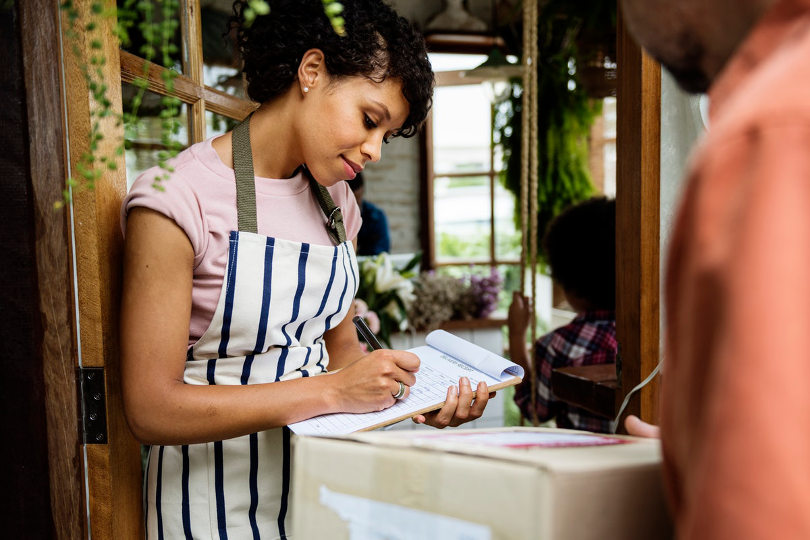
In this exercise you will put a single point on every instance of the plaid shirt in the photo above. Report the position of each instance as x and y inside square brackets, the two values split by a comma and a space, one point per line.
[589, 339]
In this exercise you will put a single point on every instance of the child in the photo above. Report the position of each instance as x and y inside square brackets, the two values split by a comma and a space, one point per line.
[580, 245]
[239, 277]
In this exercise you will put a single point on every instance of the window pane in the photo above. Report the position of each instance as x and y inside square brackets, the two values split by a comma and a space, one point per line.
[144, 140]
[220, 58]
[216, 124]
[507, 236]
[153, 11]
[461, 129]
[461, 218]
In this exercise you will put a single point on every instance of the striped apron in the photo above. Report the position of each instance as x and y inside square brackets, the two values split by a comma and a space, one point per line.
[278, 298]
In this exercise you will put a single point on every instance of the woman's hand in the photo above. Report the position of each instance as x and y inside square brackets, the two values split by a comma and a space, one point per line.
[460, 407]
[370, 383]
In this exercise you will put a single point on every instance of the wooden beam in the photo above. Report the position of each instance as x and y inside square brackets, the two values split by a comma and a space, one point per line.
[193, 66]
[134, 67]
[637, 220]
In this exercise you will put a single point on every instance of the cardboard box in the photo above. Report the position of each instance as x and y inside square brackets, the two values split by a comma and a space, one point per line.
[460, 484]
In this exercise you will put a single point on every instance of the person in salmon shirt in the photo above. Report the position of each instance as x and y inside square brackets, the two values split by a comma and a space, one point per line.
[735, 410]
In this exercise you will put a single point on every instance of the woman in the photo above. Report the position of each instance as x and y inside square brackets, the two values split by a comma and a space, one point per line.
[239, 279]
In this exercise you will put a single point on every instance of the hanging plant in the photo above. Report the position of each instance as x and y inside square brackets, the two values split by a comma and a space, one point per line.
[565, 113]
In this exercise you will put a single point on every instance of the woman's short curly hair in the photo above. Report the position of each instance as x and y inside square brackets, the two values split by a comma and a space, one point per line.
[378, 44]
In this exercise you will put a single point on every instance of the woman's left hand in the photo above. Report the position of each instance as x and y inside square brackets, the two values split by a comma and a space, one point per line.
[460, 407]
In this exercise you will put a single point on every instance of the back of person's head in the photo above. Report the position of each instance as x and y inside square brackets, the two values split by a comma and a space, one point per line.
[378, 44]
[580, 246]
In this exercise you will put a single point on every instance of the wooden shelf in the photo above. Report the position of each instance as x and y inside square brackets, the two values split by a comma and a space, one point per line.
[593, 388]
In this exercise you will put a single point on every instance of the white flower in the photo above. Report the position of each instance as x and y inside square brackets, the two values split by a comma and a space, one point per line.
[386, 277]
[405, 292]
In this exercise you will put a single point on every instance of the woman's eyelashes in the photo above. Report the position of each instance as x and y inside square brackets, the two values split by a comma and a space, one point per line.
[371, 124]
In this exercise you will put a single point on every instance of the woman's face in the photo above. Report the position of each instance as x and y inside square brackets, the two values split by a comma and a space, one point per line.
[344, 123]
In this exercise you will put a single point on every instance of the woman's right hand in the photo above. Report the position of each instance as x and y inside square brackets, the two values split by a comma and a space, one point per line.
[370, 383]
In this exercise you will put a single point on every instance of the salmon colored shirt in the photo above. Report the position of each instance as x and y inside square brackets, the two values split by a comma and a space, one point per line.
[736, 384]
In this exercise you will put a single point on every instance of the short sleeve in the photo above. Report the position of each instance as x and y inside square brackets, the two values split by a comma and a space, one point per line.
[173, 197]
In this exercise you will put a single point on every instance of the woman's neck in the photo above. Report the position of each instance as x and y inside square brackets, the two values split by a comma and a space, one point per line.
[273, 138]
[272, 141]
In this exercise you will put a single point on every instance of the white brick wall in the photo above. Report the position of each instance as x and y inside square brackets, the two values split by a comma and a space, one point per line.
[393, 185]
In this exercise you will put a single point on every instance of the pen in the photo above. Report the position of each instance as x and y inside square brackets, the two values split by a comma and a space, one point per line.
[366, 332]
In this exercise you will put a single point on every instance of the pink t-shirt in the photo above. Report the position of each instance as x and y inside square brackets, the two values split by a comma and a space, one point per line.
[200, 196]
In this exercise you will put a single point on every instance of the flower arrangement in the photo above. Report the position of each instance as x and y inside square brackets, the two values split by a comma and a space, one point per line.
[394, 300]
[439, 298]
[385, 294]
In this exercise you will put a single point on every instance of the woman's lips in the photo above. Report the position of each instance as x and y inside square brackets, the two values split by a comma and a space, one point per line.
[351, 168]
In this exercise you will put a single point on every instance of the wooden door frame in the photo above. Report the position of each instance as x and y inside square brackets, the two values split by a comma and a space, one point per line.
[43, 497]
[114, 478]
[638, 144]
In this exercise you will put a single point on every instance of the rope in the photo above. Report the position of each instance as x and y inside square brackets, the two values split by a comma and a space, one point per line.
[528, 181]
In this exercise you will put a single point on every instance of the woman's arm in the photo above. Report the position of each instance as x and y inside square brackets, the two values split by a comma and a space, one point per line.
[342, 343]
[155, 314]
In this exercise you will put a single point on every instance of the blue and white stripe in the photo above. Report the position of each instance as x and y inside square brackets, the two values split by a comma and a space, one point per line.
[277, 301]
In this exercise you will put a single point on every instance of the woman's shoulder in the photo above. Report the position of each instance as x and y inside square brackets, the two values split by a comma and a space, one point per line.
[184, 191]
[194, 168]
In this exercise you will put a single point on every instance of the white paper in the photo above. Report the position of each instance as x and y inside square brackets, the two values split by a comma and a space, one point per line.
[474, 355]
[437, 372]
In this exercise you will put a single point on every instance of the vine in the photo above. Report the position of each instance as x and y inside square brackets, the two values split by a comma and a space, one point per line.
[157, 43]
[565, 116]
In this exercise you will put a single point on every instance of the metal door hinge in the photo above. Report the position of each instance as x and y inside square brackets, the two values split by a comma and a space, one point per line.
[93, 404]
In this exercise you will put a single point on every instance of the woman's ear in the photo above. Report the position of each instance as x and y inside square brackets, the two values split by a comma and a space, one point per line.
[311, 70]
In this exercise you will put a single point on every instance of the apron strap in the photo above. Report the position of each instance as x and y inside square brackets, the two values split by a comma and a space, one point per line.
[245, 181]
[246, 188]
[334, 216]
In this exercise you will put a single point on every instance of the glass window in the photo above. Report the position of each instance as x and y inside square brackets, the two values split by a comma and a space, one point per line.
[220, 58]
[462, 129]
[143, 140]
[473, 214]
[216, 124]
[462, 218]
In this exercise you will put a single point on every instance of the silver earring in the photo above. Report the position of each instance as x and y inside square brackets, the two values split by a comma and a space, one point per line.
[306, 89]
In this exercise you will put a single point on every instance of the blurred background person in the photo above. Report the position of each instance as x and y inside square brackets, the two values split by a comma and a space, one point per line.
[373, 237]
[735, 410]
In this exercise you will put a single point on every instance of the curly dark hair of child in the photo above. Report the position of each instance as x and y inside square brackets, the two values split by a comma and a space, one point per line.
[580, 244]
[378, 44]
